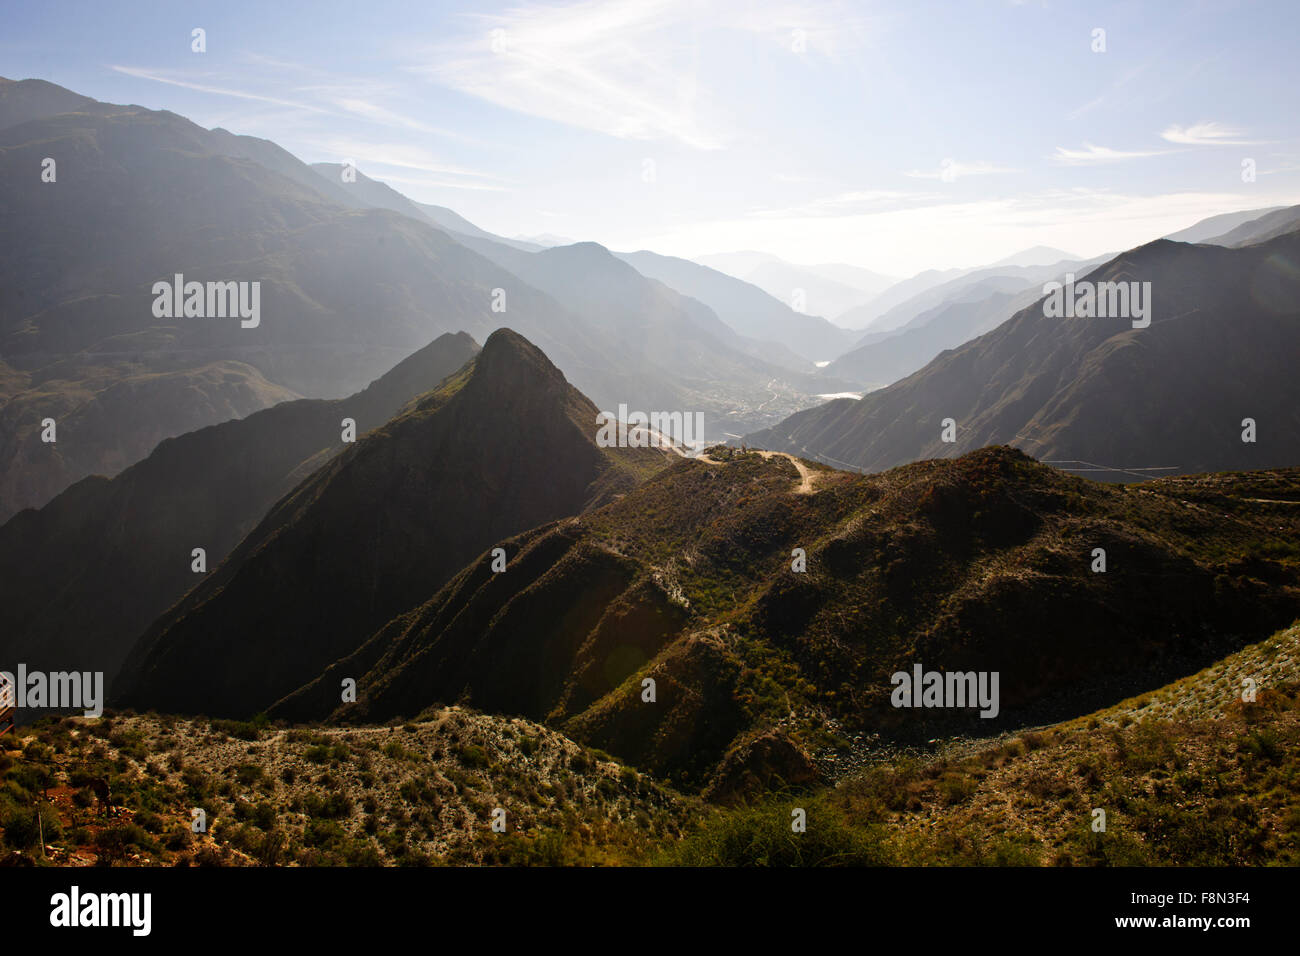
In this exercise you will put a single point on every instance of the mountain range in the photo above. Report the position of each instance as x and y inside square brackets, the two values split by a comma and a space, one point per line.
[1098, 395]
[828, 289]
[88, 572]
[352, 277]
[628, 565]
[715, 620]
[504, 445]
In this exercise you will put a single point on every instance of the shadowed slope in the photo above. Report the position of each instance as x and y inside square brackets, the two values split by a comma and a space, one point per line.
[504, 445]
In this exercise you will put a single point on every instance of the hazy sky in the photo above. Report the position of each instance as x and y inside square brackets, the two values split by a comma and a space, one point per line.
[893, 136]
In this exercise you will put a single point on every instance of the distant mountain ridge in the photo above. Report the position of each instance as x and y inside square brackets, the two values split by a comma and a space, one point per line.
[828, 290]
[1214, 227]
[945, 316]
[1096, 393]
[353, 277]
[745, 307]
[1269, 226]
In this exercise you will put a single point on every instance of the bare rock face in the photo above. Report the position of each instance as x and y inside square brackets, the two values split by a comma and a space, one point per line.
[770, 761]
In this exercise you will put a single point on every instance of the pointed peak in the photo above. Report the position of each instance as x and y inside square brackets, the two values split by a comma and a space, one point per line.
[507, 353]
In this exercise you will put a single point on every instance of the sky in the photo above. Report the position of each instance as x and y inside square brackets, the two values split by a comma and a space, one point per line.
[895, 136]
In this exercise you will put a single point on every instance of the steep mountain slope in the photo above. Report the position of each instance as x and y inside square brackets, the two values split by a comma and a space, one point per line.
[504, 445]
[1097, 393]
[1211, 228]
[346, 289]
[948, 325]
[364, 191]
[454, 222]
[140, 196]
[692, 370]
[108, 413]
[1189, 774]
[87, 573]
[982, 563]
[699, 362]
[81, 255]
[23, 100]
[1269, 226]
[745, 307]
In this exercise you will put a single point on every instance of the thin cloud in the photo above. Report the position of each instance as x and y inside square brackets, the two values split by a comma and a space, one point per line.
[1208, 134]
[1091, 155]
[369, 110]
[157, 77]
[617, 68]
[395, 155]
[624, 68]
[336, 100]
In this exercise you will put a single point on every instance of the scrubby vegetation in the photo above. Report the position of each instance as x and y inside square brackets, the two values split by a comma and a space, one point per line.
[983, 562]
[1189, 775]
[771, 691]
[422, 793]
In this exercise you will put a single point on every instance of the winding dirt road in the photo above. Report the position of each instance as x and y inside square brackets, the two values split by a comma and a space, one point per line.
[806, 475]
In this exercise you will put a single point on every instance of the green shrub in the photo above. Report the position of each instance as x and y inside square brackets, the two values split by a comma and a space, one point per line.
[762, 836]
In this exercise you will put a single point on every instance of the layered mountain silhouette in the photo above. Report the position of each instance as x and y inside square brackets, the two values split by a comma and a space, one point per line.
[967, 286]
[745, 307]
[143, 195]
[894, 355]
[829, 289]
[669, 347]
[1097, 394]
[947, 315]
[504, 445]
[364, 191]
[91, 570]
[353, 277]
[1278, 222]
[1212, 228]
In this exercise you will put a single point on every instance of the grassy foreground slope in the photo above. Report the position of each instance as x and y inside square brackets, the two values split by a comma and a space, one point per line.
[1188, 775]
[416, 794]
